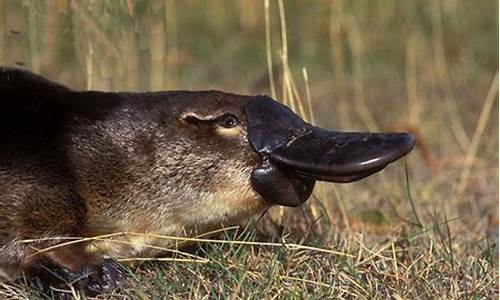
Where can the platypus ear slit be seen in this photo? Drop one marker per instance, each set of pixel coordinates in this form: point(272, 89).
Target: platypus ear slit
point(194, 119)
point(189, 120)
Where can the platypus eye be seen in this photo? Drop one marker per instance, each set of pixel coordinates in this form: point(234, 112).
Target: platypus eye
point(227, 121)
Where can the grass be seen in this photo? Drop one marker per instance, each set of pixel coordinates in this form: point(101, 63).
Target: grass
point(424, 228)
point(402, 266)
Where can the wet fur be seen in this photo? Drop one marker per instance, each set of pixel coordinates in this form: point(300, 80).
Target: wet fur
point(80, 164)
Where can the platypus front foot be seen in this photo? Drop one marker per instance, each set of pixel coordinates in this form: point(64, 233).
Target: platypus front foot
point(70, 269)
point(106, 277)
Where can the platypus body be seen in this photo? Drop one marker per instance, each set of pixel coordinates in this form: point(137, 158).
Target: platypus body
point(88, 163)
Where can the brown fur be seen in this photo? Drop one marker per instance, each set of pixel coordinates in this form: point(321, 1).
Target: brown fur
point(80, 164)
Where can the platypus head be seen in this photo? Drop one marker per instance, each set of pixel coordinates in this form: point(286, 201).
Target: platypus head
point(257, 143)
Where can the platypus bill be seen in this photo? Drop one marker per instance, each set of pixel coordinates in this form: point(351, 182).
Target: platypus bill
point(88, 163)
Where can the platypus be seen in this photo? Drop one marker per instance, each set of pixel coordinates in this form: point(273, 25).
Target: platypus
point(77, 164)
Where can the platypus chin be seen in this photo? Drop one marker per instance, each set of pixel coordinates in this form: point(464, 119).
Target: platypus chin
point(82, 164)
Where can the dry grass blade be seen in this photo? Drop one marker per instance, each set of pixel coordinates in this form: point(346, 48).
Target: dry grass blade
point(478, 133)
point(357, 46)
point(75, 241)
point(288, 246)
point(443, 74)
point(410, 197)
point(164, 259)
point(306, 281)
point(13, 292)
point(269, 55)
point(310, 115)
point(107, 238)
point(194, 258)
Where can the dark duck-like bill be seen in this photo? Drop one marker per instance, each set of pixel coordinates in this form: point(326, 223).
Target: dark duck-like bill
point(295, 153)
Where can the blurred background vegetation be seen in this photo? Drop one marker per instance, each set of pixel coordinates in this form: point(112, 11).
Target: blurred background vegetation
point(429, 67)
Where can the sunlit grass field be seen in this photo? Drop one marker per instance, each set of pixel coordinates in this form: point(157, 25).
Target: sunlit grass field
point(424, 228)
